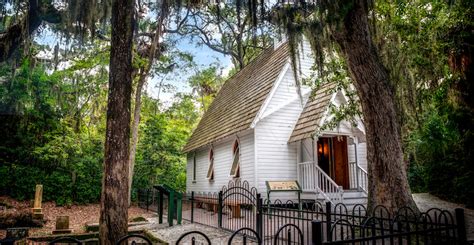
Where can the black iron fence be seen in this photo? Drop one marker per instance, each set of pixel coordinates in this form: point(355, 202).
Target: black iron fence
point(239, 207)
point(406, 227)
point(432, 227)
point(149, 199)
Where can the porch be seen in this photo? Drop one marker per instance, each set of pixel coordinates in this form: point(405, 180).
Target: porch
point(332, 168)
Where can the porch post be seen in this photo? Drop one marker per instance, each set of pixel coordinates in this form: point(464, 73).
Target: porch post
point(356, 164)
point(315, 163)
point(298, 160)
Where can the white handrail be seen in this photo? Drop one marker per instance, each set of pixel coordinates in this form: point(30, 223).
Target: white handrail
point(358, 177)
point(313, 178)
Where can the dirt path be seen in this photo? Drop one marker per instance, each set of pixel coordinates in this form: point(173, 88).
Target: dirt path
point(425, 201)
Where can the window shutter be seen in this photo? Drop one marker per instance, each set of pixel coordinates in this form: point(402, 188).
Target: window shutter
point(234, 171)
point(194, 166)
point(210, 170)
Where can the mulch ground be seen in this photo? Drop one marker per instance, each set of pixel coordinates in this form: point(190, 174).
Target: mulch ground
point(79, 215)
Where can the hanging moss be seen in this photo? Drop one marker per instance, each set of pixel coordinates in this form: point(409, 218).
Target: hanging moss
point(83, 16)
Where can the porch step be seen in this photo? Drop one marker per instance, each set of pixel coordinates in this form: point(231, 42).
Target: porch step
point(350, 197)
point(354, 194)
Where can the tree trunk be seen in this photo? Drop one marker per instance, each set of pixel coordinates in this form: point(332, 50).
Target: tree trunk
point(138, 98)
point(17, 33)
point(388, 183)
point(113, 205)
point(135, 126)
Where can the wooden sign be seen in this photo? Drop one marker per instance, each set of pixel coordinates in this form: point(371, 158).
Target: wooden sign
point(288, 185)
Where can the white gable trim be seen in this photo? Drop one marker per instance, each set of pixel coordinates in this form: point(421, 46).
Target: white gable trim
point(289, 101)
point(270, 96)
point(327, 116)
point(255, 155)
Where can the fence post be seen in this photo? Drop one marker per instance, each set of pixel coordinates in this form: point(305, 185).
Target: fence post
point(171, 208)
point(328, 221)
point(317, 232)
point(219, 210)
point(140, 198)
point(259, 216)
point(147, 198)
point(179, 208)
point(160, 208)
point(192, 206)
point(461, 226)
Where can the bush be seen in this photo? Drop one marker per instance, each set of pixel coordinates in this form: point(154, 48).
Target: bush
point(417, 178)
point(59, 186)
point(442, 155)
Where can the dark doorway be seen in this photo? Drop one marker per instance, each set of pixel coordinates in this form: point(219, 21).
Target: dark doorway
point(324, 154)
point(333, 159)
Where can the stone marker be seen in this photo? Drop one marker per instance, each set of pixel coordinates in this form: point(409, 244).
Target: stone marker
point(37, 210)
point(62, 225)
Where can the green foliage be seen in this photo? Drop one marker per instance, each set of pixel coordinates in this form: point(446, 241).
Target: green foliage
point(440, 151)
point(44, 140)
point(206, 83)
point(163, 135)
point(418, 41)
point(52, 124)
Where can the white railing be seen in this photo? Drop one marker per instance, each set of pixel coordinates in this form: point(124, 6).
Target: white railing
point(358, 177)
point(313, 179)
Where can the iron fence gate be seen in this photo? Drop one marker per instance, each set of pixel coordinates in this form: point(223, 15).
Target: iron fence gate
point(239, 206)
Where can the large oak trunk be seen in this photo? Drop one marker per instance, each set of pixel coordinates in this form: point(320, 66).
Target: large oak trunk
point(388, 183)
point(114, 202)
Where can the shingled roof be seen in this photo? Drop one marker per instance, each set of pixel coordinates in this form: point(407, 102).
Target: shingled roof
point(240, 98)
point(313, 113)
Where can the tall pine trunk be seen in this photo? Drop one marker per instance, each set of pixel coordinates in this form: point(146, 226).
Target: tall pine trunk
point(388, 183)
point(138, 97)
point(114, 204)
point(135, 127)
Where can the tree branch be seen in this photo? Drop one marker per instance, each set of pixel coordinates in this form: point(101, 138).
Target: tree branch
point(11, 39)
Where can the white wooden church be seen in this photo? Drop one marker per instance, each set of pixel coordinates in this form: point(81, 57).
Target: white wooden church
point(259, 129)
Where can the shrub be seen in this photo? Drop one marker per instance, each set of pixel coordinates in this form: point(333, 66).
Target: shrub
point(442, 155)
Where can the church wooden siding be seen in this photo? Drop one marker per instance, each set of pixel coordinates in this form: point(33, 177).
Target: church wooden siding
point(223, 153)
